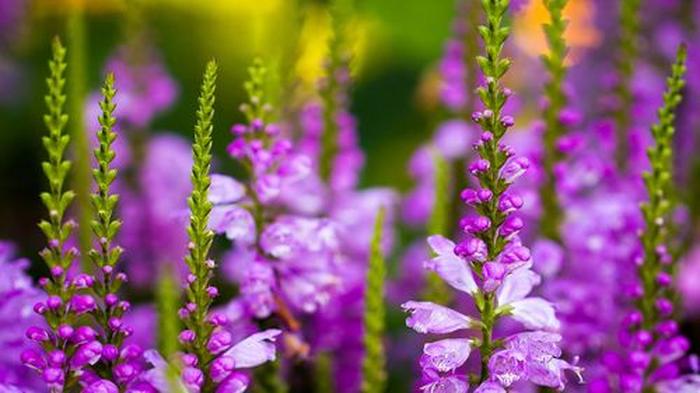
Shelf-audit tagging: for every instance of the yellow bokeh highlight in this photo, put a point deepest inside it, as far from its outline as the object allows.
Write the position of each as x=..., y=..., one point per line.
x=581, y=32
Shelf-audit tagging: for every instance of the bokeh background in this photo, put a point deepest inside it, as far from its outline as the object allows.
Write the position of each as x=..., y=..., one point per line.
x=395, y=42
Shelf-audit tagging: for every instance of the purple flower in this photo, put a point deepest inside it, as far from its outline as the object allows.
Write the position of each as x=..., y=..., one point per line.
x=252, y=351
x=445, y=355
x=453, y=269
x=18, y=297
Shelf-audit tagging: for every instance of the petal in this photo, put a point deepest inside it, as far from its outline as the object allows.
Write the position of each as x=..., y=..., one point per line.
x=235, y=383
x=441, y=245
x=508, y=366
x=158, y=375
x=236, y=222
x=427, y=317
x=451, y=384
x=538, y=345
x=516, y=286
x=225, y=189
x=446, y=355
x=684, y=384
x=452, y=269
x=490, y=387
x=255, y=350
x=535, y=313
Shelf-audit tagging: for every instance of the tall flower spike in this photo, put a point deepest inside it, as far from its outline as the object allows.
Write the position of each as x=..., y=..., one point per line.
x=334, y=88
x=57, y=231
x=491, y=265
x=198, y=328
x=373, y=364
x=494, y=34
x=656, y=212
x=629, y=23
x=104, y=256
x=554, y=126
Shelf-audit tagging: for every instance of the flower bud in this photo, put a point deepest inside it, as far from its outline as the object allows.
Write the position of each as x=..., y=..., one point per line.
x=221, y=368
x=33, y=359
x=53, y=302
x=110, y=352
x=472, y=249
x=186, y=336
x=65, y=331
x=37, y=334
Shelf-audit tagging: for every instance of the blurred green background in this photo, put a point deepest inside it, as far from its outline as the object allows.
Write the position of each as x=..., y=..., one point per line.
x=394, y=42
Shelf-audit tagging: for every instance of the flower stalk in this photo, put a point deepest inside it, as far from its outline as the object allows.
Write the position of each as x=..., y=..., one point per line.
x=555, y=128
x=198, y=290
x=494, y=34
x=374, y=361
x=630, y=23
x=81, y=147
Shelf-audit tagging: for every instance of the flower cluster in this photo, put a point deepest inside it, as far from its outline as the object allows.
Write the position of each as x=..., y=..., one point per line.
x=76, y=350
x=490, y=264
x=16, y=315
x=279, y=260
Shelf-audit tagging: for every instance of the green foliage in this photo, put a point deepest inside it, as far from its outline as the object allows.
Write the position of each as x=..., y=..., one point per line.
x=554, y=129
x=323, y=373
x=331, y=92
x=81, y=148
x=104, y=225
x=167, y=299
x=56, y=199
x=199, y=234
x=267, y=378
x=629, y=23
x=436, y=290
x=374, y=361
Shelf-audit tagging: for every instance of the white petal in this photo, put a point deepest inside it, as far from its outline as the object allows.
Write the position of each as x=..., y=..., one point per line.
x=455, y=271
x=225, y=189
x=446, y=355
x=441, y=245
x=427, y=317
x=517, y=285
x=535, y=313
x=255, y=350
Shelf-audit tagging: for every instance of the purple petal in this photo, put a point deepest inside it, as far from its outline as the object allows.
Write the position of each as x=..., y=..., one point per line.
x=427, y=317
x=451, y=268
x=236, y=222
x=516, y=286
x=490, y=387
x=225, y=189
x=446, y=355
x=255, y=350
x=451, y=384
x=535, y=313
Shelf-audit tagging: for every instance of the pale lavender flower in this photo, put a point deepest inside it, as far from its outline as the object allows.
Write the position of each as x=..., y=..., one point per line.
x=18, y=295
x=252, y=351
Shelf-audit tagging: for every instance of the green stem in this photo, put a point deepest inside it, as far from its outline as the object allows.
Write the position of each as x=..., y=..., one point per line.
x=552, y=214
x=630, y=23
x=374, y=361
x=76, y=106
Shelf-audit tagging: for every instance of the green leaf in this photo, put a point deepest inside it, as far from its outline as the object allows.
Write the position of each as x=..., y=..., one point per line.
x=374, y=361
